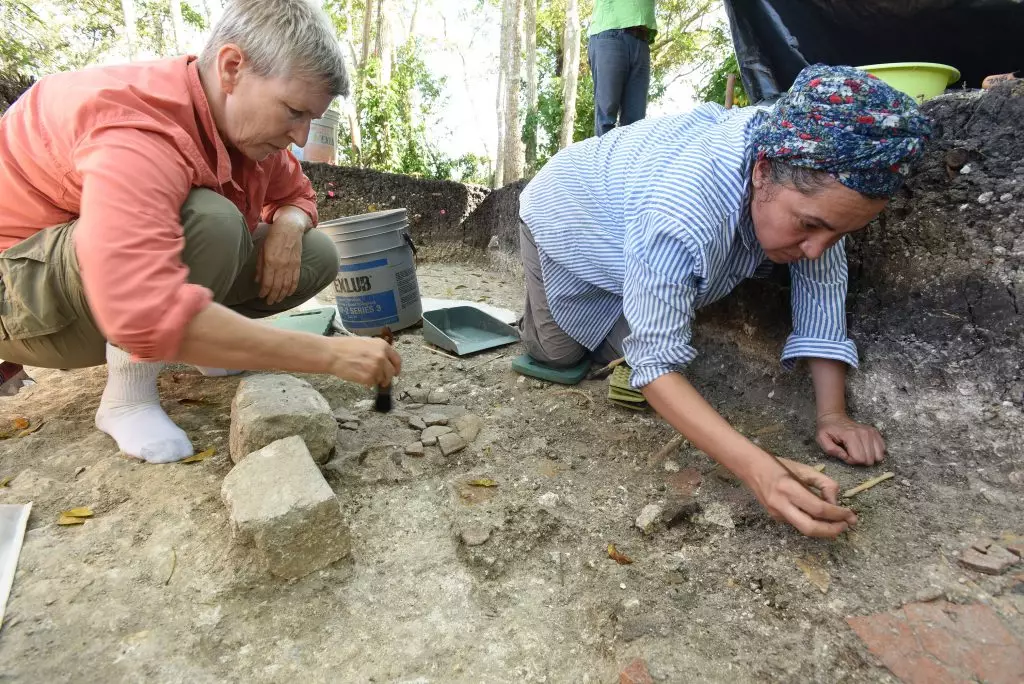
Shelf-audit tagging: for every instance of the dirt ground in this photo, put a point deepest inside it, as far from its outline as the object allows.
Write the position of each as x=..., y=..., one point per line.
x=152, y=589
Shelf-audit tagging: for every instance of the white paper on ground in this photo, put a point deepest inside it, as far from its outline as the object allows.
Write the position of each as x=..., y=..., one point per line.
x=13, y=519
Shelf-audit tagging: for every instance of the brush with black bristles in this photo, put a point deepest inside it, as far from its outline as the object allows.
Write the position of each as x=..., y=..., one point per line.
x=382, y=403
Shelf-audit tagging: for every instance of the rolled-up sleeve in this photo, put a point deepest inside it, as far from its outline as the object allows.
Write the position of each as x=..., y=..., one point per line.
x=818, y=302
x=129, y=239
x=288, y=186
x=658, y=299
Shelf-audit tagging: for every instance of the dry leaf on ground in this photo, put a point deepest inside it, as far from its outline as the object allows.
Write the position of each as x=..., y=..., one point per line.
x=21, y=423
x=6, y=481
x=484, y=482
x=816, y=575
x=70, y=520
x=619, y=558
x=201, y=456
x=80, y=512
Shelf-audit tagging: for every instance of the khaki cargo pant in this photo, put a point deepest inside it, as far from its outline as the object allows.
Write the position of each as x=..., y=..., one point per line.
x=46, y=321
x=544, y=340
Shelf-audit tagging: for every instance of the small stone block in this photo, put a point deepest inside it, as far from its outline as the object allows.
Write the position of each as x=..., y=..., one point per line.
x=269, y=407
x=680, y=511
x=648, y=518
x=351, y=425
x=430, y=435
x=417, y=423
x=416, y=394
x=451, y=443
x=435, y=419
x=475, y=536
x=414, y=449
x=343, y=415
x=413, y=406
x=438, y=397
x=279, y=503
x=468, y=426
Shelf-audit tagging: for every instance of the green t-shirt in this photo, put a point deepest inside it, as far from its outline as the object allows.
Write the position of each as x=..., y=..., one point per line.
x=618, y=14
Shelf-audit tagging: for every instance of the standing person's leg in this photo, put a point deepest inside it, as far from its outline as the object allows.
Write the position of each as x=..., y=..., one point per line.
x=544, y=340
x=638, y=82
x=609, y=65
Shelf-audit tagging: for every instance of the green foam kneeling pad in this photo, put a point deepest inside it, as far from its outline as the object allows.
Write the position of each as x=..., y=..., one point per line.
x=527, y=365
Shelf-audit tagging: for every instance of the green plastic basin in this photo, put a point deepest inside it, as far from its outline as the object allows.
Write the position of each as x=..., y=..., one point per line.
x=919, y=80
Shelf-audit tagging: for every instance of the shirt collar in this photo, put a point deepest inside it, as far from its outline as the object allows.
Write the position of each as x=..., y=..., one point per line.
x=222, y=160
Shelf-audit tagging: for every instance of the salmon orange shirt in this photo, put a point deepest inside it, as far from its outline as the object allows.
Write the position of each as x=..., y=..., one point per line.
x=119, y=148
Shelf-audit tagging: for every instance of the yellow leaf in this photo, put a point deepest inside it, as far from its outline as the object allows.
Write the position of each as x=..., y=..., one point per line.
x=80, y=512
x=6, y=481
x=201, y=456
x=620, y=558
x=483, y=483
x=70, y=520
x=820, y=467
x=816, y=575
x=21, y=423
x=29, y=430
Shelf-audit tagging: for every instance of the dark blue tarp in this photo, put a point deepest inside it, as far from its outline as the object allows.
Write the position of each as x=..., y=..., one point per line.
x=775, y=39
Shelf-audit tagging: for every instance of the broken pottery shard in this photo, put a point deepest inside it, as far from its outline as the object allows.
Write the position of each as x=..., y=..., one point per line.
x=430, y=435
x=267, y=408
x=438, y=397
x=994, y=561
x=451, y=443
x=468, y=426
x=435, y=419
x=417, y=423
x=279, y=503
x=414, y=449
x=649, y=517
x=475, y=536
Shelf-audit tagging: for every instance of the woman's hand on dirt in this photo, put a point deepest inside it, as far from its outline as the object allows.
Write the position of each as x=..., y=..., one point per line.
x=851, y=442
x=367, y=361
x=778, y=490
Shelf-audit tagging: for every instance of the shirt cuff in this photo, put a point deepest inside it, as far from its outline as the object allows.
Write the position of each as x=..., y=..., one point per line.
x=301, y=203
x=164, y=342
x=798, y=347
x=646, y=374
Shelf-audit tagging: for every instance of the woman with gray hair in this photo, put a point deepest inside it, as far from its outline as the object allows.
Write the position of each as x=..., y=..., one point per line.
x=149, y=211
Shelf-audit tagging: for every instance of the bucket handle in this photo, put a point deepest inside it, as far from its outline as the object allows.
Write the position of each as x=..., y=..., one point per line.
x=408, y=241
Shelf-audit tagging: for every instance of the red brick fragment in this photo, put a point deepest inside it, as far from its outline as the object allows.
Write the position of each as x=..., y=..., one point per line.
x=636, y=673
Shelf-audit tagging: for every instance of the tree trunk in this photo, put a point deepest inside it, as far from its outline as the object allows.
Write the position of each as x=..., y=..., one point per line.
x=530, y=41
x=367, y=32
x=500, y=110
x=130, y=35
x=384, y=49
x=513, y=156
x=570, y=73
x=179, y=27
x=412, y=22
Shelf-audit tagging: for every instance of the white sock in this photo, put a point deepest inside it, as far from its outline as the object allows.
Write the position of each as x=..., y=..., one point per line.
x=130, y=411
x=217, y=372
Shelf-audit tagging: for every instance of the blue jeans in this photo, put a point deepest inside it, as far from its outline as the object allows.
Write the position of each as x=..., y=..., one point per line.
x=621, y=65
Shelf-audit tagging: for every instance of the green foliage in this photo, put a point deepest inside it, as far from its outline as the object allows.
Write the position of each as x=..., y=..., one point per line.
x=714, y=88
x=394, y=119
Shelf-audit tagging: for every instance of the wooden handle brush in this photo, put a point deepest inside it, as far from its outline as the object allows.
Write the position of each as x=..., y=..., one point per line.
x=383, y=403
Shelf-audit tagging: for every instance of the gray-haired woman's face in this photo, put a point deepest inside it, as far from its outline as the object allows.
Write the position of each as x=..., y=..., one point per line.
x=791, y=225
x=264, y=115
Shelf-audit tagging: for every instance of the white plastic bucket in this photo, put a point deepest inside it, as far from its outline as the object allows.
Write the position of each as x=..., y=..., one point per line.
x=322, y=144
x=376, y=285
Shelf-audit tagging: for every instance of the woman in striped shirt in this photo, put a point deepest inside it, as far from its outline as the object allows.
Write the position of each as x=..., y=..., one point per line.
x=625, y=236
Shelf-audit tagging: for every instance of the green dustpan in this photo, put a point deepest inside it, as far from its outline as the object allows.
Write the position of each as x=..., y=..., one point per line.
x=466, y=330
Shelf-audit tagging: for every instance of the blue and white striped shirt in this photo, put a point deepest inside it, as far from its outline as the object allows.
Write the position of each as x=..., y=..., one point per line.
x=653, y=220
